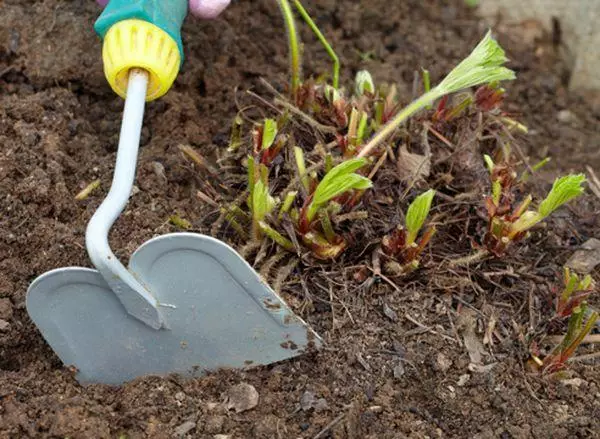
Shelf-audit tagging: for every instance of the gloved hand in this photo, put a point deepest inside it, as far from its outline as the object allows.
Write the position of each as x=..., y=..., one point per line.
x=200, y=8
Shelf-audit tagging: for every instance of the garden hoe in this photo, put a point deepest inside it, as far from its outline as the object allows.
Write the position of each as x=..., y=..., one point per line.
x=188, y=303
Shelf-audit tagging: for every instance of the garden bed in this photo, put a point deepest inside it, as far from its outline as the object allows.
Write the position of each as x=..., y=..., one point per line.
x=397, y=361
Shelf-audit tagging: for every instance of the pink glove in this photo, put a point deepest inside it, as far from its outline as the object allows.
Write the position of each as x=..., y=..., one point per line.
x=200, y=8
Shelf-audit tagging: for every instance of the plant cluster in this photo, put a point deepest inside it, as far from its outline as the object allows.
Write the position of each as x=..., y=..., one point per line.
x=357, y=126
x=509, y=221
x=300, y=192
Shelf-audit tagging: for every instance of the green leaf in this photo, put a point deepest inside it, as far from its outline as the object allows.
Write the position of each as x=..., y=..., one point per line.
x=417, y=214
x=301, y=165
x=338, y=181
x=276, y=236
x=563, y=190
x=262, y=202
x=235, y=140
x=362, y=128
x=482, y=66
x=525, y=222
x=336, y=187
x=586, y=283
x=426, y=80
x=287, y=203
x=496, y=192
x=489, y=162
x=269, y=133
x=332, y=94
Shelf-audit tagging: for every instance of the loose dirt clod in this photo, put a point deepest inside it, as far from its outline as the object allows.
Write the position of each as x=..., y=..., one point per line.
x=184, y=429
x=241, y=398
x=309, y=401
x=586, y=258
x=6, y=309
x=4, y=325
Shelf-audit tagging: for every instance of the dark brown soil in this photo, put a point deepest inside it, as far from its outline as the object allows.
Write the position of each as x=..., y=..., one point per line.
x=381, y=377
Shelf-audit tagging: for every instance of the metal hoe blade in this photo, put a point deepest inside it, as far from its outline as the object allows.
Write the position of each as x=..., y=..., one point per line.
x=187, y=304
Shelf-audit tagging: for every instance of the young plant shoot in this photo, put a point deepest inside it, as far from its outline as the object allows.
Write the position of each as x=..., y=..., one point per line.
x=570, y=303
x=508, y=224
x=581, y=322
x=483, y=66
x=329, y=197
x=574, y=292
x=402, y=245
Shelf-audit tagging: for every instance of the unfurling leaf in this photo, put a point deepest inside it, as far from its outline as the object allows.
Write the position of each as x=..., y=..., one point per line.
x=364, y=83
x=482, y=66
x=563, y=190
x=417, y=214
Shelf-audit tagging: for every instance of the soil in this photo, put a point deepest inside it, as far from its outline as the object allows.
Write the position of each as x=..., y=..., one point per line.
x=396, y=363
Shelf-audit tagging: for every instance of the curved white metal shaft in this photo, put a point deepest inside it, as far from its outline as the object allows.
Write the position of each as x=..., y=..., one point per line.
x=136, y=299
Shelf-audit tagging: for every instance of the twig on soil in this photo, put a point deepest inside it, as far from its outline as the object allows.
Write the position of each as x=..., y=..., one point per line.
x=332, y=296
x=594, y=183
x=264, y=101
x=284, y=273
x=453, y=327
x=427, y=328
x=385, y=278
x=532, y=319
x=439, y=136
x=329, y=426
x=86, y=192
x=590, y=339
x=528, y=386
x=200, y=161
x=333, y=319
x=378, y=165
x=586, y=357
x=203, y=197
x=478, y=256
x=309, y=120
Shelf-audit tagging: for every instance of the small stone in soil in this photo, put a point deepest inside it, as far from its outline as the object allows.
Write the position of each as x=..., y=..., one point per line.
x=583, y=260
x=442, y=363
x=184, y=428
x=6, y=309
x=462, y=380
x=575, y=382
x=399, y=370
x=309, y=401
x=214, y=424
x=4, y=325
x=566, y=116
x=390, y=313
x=241, y=398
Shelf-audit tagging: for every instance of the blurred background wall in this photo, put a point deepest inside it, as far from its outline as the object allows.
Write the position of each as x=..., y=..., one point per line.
x=577, y=22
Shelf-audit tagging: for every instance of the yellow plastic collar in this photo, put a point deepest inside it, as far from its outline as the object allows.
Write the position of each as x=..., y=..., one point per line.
x=138, y=44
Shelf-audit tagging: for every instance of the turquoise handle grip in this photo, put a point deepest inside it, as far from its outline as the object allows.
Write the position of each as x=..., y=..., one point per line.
x=166, y=14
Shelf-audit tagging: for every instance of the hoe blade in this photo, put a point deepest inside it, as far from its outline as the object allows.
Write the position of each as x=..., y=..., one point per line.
x=219, y=314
